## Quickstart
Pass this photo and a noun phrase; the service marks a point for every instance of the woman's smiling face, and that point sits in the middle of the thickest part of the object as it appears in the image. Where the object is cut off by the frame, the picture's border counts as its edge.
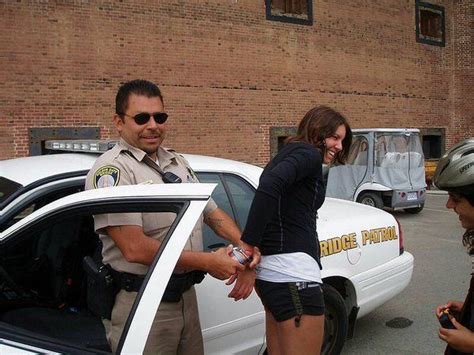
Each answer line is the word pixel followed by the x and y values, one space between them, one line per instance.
pixel 333 144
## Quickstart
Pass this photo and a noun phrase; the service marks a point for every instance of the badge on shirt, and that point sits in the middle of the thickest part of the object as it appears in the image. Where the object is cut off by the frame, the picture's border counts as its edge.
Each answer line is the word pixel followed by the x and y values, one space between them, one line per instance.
pixel 106 176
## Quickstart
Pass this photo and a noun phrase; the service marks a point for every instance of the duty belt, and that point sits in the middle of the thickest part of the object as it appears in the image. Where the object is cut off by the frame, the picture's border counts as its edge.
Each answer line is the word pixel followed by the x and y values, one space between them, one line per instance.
pixel 177 285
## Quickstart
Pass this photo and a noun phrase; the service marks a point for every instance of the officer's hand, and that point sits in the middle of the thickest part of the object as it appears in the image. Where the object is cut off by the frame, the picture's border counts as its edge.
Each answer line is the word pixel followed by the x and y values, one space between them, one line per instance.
pixel 461 338
pixel 222 265
pixel 244 285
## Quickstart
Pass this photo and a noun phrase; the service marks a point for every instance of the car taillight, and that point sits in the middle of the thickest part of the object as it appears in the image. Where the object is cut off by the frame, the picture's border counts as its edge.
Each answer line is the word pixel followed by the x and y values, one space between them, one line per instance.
pixel 400 237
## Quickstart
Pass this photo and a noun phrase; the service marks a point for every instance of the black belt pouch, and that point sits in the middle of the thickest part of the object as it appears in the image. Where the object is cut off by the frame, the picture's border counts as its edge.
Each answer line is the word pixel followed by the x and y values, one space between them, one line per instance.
pixel 101 290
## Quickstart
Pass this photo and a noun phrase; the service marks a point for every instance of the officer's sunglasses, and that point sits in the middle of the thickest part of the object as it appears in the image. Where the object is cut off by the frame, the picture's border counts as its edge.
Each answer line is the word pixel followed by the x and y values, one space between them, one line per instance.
pixel 144 117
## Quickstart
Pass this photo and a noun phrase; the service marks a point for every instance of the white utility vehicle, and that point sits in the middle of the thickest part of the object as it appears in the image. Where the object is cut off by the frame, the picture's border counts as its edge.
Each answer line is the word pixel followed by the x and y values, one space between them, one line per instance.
pixel 46 229
pixel 385 168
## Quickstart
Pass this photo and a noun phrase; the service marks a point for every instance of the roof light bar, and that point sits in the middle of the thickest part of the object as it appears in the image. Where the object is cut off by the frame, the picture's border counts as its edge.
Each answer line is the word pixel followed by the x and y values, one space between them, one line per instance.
pixel 81 145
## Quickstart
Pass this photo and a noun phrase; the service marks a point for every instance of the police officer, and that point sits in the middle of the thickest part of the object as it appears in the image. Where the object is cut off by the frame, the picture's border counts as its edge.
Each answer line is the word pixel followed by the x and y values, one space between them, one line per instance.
pixel 131 240
pixel 455 174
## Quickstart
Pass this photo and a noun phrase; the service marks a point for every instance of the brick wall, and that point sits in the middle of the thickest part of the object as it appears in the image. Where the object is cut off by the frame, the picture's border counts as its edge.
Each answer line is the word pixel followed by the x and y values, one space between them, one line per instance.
pixel 461 70
pixel 227 73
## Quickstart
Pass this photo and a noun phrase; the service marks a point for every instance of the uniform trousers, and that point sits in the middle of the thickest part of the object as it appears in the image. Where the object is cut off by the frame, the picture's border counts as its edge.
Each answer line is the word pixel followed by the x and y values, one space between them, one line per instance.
pixel 175 330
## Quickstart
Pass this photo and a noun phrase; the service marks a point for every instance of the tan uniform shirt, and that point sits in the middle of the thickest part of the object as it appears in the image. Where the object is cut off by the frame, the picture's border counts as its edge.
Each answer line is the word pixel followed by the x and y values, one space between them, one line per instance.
pixel 125 165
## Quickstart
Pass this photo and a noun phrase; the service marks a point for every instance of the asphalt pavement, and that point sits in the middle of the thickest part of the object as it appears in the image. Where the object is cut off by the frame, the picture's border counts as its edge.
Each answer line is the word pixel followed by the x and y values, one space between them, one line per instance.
pixel 441 273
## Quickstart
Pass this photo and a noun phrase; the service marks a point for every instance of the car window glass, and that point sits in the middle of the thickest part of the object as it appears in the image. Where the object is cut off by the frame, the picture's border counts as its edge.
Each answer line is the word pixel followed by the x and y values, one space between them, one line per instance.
pixel 242 196
pixel 210 239
pixel 25 212
pixel 7 188
pixel 38 201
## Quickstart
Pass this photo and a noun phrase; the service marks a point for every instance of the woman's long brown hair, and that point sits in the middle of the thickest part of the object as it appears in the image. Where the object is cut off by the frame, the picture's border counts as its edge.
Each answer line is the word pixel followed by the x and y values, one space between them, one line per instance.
pixel 320 123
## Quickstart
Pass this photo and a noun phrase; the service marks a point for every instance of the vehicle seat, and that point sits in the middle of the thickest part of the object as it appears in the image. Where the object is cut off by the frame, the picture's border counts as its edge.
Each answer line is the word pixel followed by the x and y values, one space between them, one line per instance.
pixel 63 246
pixel 56 278
pixel 391 160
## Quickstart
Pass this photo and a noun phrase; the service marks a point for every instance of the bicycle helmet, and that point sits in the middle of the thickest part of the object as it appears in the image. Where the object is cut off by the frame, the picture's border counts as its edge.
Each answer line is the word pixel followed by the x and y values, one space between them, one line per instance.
pixel 455 170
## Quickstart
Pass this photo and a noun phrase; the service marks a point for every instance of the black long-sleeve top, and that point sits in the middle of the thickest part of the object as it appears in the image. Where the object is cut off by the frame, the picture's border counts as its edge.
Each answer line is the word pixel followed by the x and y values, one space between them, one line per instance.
pixel 282 217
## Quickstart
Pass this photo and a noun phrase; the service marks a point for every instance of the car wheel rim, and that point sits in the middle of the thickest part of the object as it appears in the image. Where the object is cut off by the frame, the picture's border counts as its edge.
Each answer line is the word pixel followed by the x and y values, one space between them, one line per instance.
pixel 368 201
pixel 330 330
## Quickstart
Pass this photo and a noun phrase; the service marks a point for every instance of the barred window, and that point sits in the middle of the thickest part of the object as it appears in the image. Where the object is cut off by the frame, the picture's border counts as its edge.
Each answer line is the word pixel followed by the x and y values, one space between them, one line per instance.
pixel 293 11
pixel 430 24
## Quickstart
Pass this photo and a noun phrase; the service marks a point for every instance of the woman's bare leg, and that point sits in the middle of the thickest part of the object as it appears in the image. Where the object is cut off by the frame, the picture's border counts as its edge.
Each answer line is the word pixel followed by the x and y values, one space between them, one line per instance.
pixel 306 339
pixel 273 346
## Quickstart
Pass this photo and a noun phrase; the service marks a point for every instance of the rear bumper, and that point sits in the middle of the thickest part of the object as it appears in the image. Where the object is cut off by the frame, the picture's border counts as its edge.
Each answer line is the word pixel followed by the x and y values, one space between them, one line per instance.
pixel 408 198
pixel 378 285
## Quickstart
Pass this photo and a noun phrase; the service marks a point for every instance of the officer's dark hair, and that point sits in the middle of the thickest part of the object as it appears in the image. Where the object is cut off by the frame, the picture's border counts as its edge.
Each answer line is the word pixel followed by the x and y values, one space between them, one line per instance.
pixel 320 123
pixel 138 87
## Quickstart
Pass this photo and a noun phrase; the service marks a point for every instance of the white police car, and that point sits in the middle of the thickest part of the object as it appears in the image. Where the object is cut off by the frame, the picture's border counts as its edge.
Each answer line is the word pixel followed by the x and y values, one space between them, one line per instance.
pixel 44 237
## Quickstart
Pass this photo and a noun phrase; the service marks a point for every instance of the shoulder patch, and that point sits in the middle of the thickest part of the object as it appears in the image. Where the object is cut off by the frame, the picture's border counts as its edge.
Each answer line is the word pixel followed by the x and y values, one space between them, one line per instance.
pixel 106 176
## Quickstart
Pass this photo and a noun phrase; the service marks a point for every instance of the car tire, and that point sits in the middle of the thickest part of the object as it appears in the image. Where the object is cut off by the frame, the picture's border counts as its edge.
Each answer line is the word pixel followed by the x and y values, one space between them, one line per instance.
pixel 336 322
pixel 371 199
pixel 415 210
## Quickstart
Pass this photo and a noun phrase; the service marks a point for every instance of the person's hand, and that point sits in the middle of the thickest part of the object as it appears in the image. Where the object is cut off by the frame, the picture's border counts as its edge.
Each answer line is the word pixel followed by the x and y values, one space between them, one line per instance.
pixel 222 265
pixel 454 307
pixel 244 285
pixel 461 338
pixel 254 252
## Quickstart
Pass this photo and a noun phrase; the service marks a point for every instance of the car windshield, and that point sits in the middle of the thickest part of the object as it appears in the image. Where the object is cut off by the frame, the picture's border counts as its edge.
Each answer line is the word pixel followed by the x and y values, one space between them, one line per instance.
pixel 7 188
pixel 396 150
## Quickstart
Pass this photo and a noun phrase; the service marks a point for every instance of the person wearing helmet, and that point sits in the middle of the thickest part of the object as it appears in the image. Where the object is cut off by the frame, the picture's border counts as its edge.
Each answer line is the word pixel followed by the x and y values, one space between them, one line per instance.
pixel 455 174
